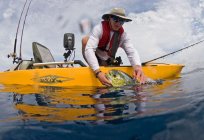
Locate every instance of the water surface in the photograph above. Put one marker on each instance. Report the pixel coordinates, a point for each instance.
(173, 110)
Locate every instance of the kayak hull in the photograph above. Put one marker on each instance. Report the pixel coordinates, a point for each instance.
(81, 76)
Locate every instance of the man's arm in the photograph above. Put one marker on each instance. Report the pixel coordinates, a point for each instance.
(129, 49)
(91, 57)
(91, 47)
(133, 57)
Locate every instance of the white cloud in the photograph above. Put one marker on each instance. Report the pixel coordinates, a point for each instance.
(8, 13)
(167, 28)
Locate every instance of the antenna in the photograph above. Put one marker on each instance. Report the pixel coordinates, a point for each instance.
(20, 55)
(15, 42)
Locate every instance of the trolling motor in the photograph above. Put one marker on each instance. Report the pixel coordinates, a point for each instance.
(68, 45)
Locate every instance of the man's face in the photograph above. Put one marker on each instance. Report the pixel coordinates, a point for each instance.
(116, 22)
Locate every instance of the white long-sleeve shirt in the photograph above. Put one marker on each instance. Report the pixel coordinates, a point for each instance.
(92, 44)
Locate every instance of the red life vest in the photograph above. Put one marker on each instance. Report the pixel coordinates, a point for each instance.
(105, 39)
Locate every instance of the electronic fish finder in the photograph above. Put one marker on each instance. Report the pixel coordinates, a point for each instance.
(69, 41)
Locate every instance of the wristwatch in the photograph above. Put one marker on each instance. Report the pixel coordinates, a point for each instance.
(97, 73)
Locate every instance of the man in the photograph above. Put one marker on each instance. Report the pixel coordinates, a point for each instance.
(101, 46)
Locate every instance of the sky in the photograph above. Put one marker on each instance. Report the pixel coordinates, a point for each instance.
(158, 27)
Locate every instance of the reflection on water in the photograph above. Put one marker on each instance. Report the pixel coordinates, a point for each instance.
(86, 104)
(172, 110)
(97, 105)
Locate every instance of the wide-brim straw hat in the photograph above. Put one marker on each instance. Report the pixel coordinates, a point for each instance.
(119, 12)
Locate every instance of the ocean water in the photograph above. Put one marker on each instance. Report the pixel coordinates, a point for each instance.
(171, 111)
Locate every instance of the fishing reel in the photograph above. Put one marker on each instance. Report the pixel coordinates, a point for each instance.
(69, 41)
(114, 61)
(15, 58)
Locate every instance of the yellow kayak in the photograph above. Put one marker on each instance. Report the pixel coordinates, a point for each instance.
(81, 76)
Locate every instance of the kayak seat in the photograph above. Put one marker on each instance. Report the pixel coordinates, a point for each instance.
(42, 54)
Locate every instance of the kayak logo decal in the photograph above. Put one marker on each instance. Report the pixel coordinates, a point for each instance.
(52, 79)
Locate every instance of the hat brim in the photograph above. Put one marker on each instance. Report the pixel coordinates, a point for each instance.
(106, 16)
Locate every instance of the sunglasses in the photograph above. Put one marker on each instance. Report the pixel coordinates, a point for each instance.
(117, 19)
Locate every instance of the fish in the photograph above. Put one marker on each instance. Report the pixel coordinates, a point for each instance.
(119, 79)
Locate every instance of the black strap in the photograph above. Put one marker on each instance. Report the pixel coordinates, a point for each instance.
(115, 44)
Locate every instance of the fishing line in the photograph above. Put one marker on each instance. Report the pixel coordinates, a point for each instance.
(163, 56)
(73, 56)
(20, 56)
(15, 42)
(72, 53)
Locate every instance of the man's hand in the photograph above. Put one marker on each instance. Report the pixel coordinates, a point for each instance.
(138, 74)
(102, 78)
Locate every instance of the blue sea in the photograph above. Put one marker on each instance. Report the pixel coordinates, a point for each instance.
(173, 110)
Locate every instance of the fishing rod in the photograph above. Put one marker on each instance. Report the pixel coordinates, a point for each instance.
(20, 55)
(15, 42)
(172, 52)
